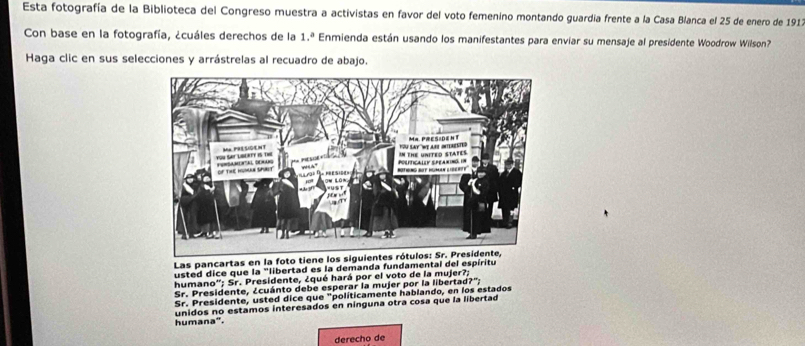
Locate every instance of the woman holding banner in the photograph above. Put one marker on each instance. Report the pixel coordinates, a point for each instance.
(383, 216)
(264, 208)
(354, 213)
(320, 222)
(288, 206)
(476, 191)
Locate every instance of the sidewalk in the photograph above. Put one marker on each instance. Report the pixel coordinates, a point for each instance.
(250, 241)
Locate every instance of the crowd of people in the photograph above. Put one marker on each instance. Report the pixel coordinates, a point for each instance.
(485, 186)
(197, 211)
(379, 203)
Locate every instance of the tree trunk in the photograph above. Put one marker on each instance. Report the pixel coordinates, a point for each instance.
(491, 144)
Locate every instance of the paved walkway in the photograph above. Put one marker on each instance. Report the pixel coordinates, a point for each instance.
(250, 241)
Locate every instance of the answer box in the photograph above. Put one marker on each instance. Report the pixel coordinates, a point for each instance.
(385, 335)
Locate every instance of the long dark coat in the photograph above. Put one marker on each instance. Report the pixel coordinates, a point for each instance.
(264, 207)
(188, 209)
(222, 201)
(288, 206)
(384, 218)
(401, 204)
(367, 199)
(508, 185)
(476, 221)
(492, 176)
(206, 205)
(422, 211)
(354, 203)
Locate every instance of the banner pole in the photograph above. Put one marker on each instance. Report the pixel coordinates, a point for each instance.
(360, 210)
(217, 219)
(184, 224)
(472, 209)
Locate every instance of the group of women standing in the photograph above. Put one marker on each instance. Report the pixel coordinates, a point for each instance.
(197, 210)
(276, 204)
(378, 203)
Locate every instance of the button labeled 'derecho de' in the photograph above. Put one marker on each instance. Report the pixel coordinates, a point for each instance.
(387, 335)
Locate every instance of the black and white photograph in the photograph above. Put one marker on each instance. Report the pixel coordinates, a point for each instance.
(299, 165)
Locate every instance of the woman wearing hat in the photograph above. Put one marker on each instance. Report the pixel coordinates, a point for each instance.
(288, 206)
(264, 207)
(354, 214)
(188, 208)
(207, 216)
(383, 216)
(476, 191)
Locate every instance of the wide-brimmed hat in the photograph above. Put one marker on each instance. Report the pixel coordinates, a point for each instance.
(264, 181)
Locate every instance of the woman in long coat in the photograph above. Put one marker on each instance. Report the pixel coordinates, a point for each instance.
(264, 207)
(188, 208)
(401, 201)
(421, 204)
(383, 216)
(367, 199)
(354, 212)
(476, 191)
(207, 217)
(288, 206)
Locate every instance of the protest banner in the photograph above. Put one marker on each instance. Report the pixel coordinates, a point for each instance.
(305, 160)
(336, 174)
(446, 153)
(243, 160)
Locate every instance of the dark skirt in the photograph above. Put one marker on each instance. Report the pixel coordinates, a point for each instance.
(264, 217)
(264, 209)
(288, 224)
(186, 218)
(401, 209)
(423, 215)
(365, 219)
(206, 208)
(384, 220)
(476, 221)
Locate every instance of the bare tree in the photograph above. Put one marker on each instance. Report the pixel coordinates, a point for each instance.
(201, 92)
(504, 103)
(371, 105)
